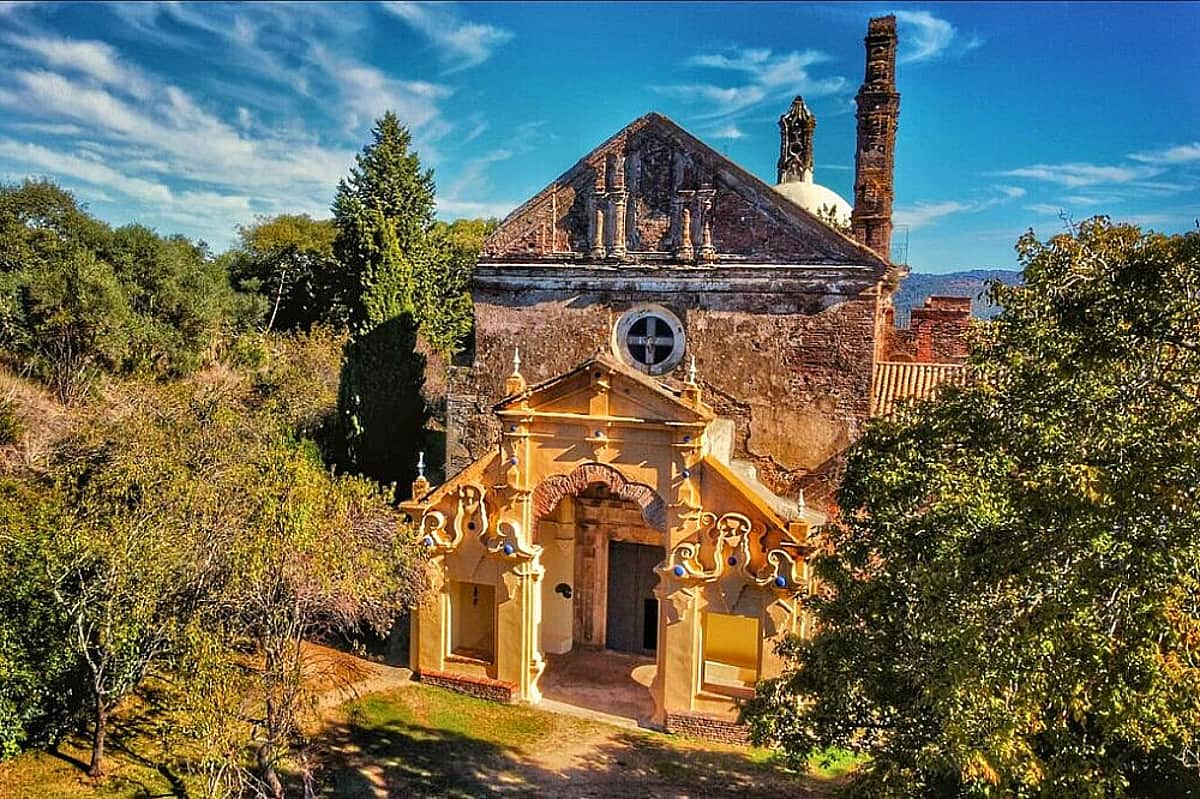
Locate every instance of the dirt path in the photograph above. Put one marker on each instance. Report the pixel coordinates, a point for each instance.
(403, 739)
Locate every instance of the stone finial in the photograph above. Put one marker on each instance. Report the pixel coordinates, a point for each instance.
(796, 143)
(691, 389)
(515, 383)
(685, 251)
(420, 486)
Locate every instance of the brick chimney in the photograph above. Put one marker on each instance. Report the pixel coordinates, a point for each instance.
(878, 116)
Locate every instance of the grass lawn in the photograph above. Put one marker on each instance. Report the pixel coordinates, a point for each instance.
(422, 741)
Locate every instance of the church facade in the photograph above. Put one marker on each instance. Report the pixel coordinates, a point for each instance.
(670, 358)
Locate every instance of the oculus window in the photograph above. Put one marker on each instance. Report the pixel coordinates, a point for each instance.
(650, 338)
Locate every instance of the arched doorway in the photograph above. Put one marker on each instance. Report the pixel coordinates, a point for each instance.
(601, 538)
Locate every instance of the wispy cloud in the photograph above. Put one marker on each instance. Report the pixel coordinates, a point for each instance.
(764, 75)
(96, 60)
(921, 214)
(925, 37)
(924, 213)
(729, 131)
(1180, 154)
(1079, 174)
(462, 44)
(242, 137)
(474, 181)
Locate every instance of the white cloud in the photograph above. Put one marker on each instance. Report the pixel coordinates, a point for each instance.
(82, 166)
(729, 131)
(923, 213)
(455, 209)
(1049, 209)
(924, 37)
(1077, 174)
(1180, 154)
(97, 60)
(462, 43)
(766, 76)
(366, 92)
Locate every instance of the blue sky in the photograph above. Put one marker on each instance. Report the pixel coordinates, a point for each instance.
(197, 118)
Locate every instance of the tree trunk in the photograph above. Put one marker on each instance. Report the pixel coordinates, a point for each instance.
(266, 770)
(96, 768)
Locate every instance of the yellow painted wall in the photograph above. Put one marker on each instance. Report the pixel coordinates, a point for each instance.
(731, 639)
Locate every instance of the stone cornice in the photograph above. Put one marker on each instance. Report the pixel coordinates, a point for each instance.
(754, 278)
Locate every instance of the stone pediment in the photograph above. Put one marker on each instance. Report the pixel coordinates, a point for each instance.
(655, 193)
(625, 393)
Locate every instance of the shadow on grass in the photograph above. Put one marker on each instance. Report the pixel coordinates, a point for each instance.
(362, 758)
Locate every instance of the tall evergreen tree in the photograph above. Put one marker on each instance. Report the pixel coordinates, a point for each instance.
(383, 213)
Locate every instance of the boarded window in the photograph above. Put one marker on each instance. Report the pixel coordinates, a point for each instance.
(473, 621)
(731, 645)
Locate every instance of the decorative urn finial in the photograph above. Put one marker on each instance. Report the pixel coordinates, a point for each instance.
(420, 486)
(515, 383)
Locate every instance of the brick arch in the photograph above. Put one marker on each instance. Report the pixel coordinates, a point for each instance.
(551, 490)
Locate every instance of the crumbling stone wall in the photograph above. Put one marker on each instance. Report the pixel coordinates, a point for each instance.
(936, 333)
(786, 354)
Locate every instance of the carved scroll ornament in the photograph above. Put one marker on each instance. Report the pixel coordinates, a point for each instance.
(729, 544)
(470, 517)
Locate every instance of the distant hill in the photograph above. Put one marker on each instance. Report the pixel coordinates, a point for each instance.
(917, 286)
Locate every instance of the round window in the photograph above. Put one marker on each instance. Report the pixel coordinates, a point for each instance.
(649, 338)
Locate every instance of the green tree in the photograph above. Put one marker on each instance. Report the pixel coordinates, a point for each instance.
(68, 318)
(43, 684)
(383, 212)
(77, 298)
(129, 564)
(288, 260)
(443, 292)
(315, 555)
(1012, 603)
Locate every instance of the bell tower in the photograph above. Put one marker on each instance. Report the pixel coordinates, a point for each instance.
(796, 144)
(878, 117)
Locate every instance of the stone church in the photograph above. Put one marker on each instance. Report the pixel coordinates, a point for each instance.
(670, 358)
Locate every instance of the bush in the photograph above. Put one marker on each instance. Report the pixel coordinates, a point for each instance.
(11, 425)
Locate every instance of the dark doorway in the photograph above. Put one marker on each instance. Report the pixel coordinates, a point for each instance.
(632, 615)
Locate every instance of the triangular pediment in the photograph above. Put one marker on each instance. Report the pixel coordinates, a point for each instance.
(627, 393)
(655, 193)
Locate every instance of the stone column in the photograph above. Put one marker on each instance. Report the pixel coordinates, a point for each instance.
(677, 677)
(707, 251)
(617, 200)
(597, 228)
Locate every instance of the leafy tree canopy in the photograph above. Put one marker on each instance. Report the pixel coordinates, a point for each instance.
(288, 260)
(1012, 602)
(77, 297)
(383, 211)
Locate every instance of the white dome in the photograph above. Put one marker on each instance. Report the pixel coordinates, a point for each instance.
(812, 197)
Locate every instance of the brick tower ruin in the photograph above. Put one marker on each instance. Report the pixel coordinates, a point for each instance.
(878, 116)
